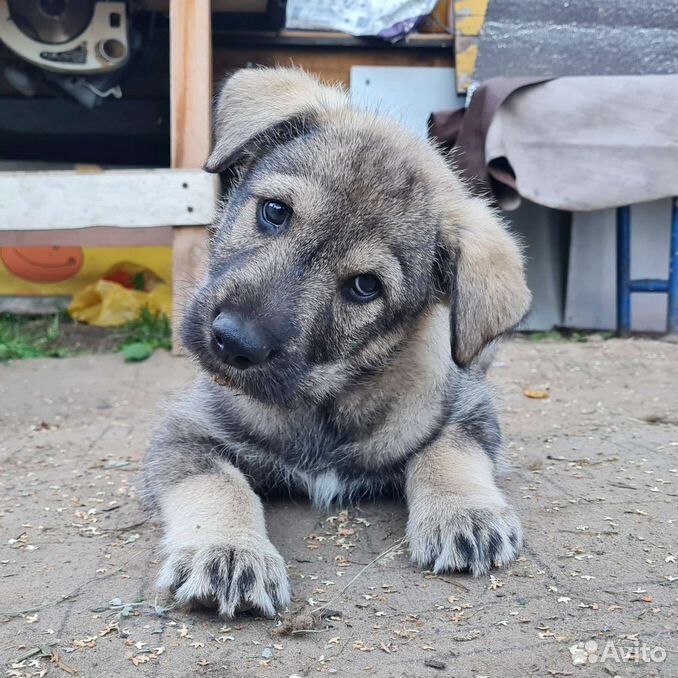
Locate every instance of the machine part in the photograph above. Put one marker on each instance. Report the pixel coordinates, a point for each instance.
(67, 36)
(114, 91)
(21, 80)
(51, 22)
(88, 91)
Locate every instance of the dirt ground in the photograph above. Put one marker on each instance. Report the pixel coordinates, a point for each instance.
(593, 474)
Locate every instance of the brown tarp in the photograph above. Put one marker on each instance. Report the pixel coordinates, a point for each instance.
(573, 143)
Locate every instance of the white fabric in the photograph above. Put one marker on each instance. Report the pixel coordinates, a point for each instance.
(587, 143)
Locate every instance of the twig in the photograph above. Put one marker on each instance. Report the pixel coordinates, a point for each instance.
(12, 614)
(396, 544)
(124, 528)
(586, 461)
(56, 659)
(591, 533)
(453, 583)
(292, 633)
(623, 486)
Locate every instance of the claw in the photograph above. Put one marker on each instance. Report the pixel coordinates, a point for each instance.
(471, 539)
(228, 577)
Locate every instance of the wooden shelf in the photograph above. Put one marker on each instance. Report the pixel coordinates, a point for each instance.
(330, 39)
(226, 6)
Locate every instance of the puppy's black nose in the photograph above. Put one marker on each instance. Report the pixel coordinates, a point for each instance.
(239, 342)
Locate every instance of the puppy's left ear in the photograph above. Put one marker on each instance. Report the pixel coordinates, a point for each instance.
(265, 105)
(488, 291)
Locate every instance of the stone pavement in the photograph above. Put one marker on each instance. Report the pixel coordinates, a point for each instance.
(593, 473)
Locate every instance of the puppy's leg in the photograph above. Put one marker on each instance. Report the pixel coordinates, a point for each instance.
(217, 551)
(458, 517)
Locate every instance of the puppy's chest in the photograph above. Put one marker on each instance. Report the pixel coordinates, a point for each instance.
(309, 445)
(331, 466)
(318, 443)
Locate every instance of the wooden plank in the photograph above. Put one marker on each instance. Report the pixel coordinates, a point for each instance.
(105, 236)
(190, 82)
(469, 17)
(328, 39)
(31, 201)
(190, 110)
(465, 59)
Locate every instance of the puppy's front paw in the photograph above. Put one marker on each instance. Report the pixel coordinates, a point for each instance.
(246, 572)
(451, 533)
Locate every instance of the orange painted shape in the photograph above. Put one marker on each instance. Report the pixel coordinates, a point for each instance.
(43, 264)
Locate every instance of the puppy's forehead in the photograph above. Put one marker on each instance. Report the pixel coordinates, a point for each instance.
(356, 159)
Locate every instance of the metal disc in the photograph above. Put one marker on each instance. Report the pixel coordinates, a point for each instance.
(51, 21)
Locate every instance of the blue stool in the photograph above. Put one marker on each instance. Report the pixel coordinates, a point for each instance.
(625, 286)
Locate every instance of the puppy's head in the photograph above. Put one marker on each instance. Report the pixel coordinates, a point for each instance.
(339, 230)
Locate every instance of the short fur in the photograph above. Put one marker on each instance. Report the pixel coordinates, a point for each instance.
(362, 398)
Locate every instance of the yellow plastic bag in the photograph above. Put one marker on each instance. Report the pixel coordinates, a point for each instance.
(109, 304)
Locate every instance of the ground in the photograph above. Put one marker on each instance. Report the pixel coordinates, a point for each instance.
(592, 471)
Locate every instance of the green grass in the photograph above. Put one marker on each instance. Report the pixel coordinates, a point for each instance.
(144, 335)
(566, 335)
(553, 335)
(58, 336)
(20, 338)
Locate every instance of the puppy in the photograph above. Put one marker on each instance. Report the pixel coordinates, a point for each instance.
(352, 285)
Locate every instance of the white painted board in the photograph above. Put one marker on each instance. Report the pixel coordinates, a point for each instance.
(409, 94)
(122, 198)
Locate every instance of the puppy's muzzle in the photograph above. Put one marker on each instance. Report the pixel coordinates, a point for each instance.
(241, 343)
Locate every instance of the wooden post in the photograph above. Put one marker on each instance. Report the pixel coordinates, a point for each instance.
(469, 16)
(191, 131)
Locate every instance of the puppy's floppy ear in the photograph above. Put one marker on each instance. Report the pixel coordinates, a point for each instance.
(258, 103)
(488, 291)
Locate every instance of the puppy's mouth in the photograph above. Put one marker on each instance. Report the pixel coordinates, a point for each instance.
(232, 385)
(236, 376)
(280, 379)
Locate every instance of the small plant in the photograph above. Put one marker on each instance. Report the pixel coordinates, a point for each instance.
(25, 337)
(567, 335)
(553, 335)
(143, 335)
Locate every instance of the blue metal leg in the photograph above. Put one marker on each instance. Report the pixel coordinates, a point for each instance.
(672, 316)
(624, 271)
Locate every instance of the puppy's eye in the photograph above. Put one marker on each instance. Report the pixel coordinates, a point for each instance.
(363, 288)
(273, 215)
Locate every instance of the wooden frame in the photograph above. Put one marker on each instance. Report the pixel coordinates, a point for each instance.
(469, 16)
(111, 208)
(54, 200)
(99, 236)
(190, 111)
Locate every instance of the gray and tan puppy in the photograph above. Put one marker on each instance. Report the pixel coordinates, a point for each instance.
(352, 285)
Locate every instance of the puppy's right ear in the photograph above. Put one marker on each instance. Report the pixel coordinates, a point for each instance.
(489, 292)
(260, 104)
